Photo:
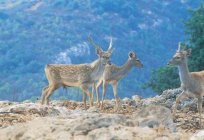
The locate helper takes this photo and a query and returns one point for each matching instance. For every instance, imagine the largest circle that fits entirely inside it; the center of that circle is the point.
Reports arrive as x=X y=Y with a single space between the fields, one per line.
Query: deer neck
x=184 y=73
x=123 y=70
x=97 y=69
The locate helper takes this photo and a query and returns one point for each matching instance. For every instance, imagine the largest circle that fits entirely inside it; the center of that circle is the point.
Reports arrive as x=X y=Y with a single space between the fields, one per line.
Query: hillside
x=39 y=32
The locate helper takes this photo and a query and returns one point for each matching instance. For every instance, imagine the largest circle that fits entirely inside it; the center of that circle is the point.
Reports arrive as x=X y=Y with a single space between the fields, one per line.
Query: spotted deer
x=76 y=75
x=192 y=83
x=113 y=74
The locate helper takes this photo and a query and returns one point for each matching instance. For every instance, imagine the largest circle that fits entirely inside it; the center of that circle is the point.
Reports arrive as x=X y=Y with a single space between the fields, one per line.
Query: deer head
x=134 y=60
x=103 y=55
x=180 y=55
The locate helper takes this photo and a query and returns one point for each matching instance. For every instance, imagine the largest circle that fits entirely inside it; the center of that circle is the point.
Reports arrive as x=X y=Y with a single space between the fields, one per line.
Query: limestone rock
x=137 y=119
x=198 y=135
x=155 y=116
x=82 y=125
x=137 y=98
x=34 y=108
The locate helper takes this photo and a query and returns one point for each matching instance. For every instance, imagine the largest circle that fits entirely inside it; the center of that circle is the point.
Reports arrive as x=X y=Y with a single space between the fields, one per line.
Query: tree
x=195 y=28
x=163 y=78
x=167 y=77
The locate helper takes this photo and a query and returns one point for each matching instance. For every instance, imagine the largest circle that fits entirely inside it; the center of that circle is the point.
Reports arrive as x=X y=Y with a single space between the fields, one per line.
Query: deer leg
x=200 y=101
x=115 y=91
x=49 y=93
x=91 y=100
x=104 y=93
x=93 y=89
x=44 y=92
x=178 y=99
x=84 y=99
x=97 y=91
x=86 y=90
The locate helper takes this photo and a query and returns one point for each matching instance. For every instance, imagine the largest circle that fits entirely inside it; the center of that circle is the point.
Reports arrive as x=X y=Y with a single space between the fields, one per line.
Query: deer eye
x=177 y=57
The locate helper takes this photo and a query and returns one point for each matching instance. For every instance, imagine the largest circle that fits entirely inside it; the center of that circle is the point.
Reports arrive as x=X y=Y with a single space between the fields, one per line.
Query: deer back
x=68 y=74
x=198 y=80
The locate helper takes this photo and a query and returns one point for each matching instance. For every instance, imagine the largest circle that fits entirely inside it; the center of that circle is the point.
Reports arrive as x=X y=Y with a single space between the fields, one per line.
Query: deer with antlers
x=192 y=83
x=113 y=74
x=76 y=75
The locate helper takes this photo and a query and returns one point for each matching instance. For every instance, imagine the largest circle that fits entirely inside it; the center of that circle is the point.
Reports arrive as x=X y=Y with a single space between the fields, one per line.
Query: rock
x=171 y=93
x=89 y=122
x=169 y=103
x=69 y=120
x=83 y=125
x=146 y=102
x=151 y=123
x=136 y=101
x=167 y=99
x=137 y=98
x=154 y=116
x=149 y=101
x=119 y=132
x=198 y=135
x=109 y=104
x=190 y=103
x=33 y=108
x=27 y=101
x=126 y=100
x=93 y=109
x=6 y=103
x=77 y=124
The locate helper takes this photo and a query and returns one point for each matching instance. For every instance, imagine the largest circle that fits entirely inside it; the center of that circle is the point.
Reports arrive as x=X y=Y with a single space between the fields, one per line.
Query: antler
x=92 y=42
x=98 y=49
x=111 y=44
x=179 y=47
x=110 y=48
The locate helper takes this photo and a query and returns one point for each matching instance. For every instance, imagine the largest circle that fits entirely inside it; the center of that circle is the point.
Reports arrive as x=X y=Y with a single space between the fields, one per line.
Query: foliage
x=163 y=78
x=195 y=27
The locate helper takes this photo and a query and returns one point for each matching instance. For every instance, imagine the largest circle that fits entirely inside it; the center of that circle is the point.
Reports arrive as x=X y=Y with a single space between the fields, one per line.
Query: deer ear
x=99 y=51
x=131 y=54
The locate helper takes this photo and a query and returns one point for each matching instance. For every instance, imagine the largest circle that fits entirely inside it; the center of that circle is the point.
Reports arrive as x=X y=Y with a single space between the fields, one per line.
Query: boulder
x=155 y=116
x=34 y=108
x=198 y=135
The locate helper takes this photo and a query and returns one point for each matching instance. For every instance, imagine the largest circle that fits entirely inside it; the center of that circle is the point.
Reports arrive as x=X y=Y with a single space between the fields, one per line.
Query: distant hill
x=38 y=32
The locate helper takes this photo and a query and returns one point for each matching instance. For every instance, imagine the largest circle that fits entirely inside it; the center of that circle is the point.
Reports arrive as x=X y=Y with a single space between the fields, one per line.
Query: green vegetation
x=163 y=78
x=167 y=77
x=195 y=28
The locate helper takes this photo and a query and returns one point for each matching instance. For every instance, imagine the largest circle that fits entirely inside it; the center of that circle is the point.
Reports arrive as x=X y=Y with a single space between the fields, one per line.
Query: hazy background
x=34 y=33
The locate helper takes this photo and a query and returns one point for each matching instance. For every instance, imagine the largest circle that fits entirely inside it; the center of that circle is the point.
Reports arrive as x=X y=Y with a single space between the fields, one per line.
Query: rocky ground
x=146 y=119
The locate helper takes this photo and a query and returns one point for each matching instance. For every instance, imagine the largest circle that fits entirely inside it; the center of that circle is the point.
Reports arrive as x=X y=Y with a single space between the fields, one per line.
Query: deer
x=192 y=83
x=76 y=75
x=113 y=74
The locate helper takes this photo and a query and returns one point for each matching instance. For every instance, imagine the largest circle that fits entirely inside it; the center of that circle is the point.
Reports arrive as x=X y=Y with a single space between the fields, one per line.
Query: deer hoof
x=101 y=107
x=99 y=104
